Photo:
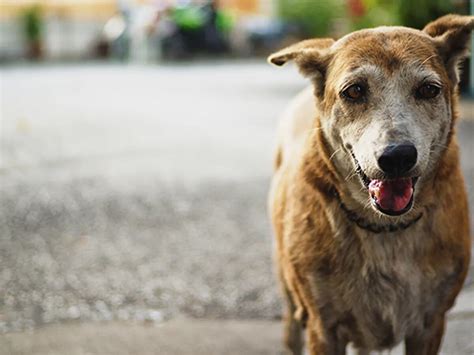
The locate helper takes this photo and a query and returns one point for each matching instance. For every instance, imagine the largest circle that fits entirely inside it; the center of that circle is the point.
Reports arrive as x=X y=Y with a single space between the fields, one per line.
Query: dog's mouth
x=392 y=197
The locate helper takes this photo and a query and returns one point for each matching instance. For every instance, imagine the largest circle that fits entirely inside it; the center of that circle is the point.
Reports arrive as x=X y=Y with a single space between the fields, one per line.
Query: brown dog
x=368 y=201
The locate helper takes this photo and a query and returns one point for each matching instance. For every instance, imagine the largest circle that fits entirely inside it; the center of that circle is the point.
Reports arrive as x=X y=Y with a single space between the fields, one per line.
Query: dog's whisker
x=315 y=129
x=334 y=154
x=351 y=176
x=439 y=145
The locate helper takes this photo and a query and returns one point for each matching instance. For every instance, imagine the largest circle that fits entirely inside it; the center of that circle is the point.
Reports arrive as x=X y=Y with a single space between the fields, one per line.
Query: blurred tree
x=372 y=13
x=411 y=13
x=316 y=17
x=418 y=13
x=32 y=23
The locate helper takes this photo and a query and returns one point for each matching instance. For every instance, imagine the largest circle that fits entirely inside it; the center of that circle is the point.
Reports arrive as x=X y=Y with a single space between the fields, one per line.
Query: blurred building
x=72 y=29
x=69 y=28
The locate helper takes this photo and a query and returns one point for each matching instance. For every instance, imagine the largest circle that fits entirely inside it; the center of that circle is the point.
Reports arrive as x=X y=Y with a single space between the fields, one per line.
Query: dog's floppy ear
x=451 y=34
x=312 y=57
x=309 y=47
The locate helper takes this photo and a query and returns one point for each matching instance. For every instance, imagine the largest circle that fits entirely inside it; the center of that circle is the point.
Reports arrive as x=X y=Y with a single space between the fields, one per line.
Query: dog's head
x=385 y=97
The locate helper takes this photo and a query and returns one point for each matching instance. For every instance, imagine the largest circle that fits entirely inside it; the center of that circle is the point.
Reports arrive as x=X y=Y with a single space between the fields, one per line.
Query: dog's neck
x=375 y=227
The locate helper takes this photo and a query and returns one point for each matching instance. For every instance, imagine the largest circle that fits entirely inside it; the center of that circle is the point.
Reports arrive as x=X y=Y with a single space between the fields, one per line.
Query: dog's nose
x=397 y=160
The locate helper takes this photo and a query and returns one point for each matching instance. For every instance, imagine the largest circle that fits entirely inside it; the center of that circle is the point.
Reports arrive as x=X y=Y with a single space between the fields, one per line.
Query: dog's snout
x=397 y=160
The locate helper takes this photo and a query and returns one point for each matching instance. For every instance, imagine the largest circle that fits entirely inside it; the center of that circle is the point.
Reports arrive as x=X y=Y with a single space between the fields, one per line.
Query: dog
x=367 y=201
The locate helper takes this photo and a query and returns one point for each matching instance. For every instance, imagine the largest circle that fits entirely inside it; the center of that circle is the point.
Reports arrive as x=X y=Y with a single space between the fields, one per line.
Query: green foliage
x=417 y=13
x=189 y=18
x=32 y=21
x=317 y=16
x=224 y=21
x=377 y=13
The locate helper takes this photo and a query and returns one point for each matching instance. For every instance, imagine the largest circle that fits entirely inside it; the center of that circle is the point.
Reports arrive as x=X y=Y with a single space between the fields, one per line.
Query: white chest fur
x=379 y=288
x=389 y=298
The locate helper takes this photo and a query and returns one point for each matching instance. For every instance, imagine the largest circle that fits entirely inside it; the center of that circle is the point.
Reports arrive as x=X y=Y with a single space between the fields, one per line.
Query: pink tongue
x=392 y=195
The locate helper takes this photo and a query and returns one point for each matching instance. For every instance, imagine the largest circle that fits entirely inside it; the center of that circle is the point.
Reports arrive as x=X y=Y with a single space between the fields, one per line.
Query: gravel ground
x=82 y=251
x=139 y=193
x=134 y=193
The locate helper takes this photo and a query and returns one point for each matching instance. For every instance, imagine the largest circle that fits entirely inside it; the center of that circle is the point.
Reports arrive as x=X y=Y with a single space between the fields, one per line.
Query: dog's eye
x=354 y=92
x=428 y=91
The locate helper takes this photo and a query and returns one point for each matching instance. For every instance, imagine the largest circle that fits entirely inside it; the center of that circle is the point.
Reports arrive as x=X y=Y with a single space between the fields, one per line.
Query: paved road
x=138 y=193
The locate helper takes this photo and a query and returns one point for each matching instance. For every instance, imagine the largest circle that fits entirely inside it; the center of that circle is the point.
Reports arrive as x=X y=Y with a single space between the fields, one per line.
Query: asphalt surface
x=138 y=194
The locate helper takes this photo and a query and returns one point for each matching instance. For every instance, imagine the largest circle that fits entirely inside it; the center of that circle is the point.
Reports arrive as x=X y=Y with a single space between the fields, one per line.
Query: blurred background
x=136 y=142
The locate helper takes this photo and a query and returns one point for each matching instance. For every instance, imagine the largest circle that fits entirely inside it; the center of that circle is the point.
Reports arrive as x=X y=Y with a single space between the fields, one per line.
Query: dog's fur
x=350 y=273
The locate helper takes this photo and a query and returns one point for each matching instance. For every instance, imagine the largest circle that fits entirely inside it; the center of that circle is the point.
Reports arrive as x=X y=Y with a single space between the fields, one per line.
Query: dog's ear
x=451 y=34
x=312 y=57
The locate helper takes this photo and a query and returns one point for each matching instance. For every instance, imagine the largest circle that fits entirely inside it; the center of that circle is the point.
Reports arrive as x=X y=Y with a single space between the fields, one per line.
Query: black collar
x=378 y=228
x=374 y=227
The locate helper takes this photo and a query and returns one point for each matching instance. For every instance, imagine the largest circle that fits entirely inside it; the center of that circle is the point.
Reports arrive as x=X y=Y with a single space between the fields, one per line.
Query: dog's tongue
x=392 y=195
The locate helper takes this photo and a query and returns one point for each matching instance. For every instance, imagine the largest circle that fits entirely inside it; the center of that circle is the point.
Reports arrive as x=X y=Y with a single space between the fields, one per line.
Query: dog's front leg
x=429 y=342
x=322 y=341
x=293 y=327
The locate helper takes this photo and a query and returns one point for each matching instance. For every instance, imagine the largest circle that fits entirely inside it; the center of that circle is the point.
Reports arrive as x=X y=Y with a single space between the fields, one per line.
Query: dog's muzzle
x=391 y=196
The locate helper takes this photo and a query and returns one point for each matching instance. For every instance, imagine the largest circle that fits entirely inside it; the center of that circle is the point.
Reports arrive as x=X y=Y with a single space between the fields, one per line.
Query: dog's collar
x=378 y=228
x=374 y=227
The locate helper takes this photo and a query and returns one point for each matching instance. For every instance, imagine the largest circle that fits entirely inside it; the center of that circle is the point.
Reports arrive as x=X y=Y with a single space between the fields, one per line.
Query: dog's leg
x=329 y=344
x=293 y=327
x=315 y=344
x=428 y=343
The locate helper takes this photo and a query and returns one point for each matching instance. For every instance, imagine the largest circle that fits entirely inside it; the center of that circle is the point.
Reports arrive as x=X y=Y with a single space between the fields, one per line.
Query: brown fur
x=344 y=283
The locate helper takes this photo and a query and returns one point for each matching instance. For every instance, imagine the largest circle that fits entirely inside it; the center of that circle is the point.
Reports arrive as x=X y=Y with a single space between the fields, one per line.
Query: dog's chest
x=388 y=302
x=374 y=298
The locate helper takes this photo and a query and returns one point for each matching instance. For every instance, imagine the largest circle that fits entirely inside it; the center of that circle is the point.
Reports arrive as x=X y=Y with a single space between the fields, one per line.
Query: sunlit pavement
x=136 y=195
